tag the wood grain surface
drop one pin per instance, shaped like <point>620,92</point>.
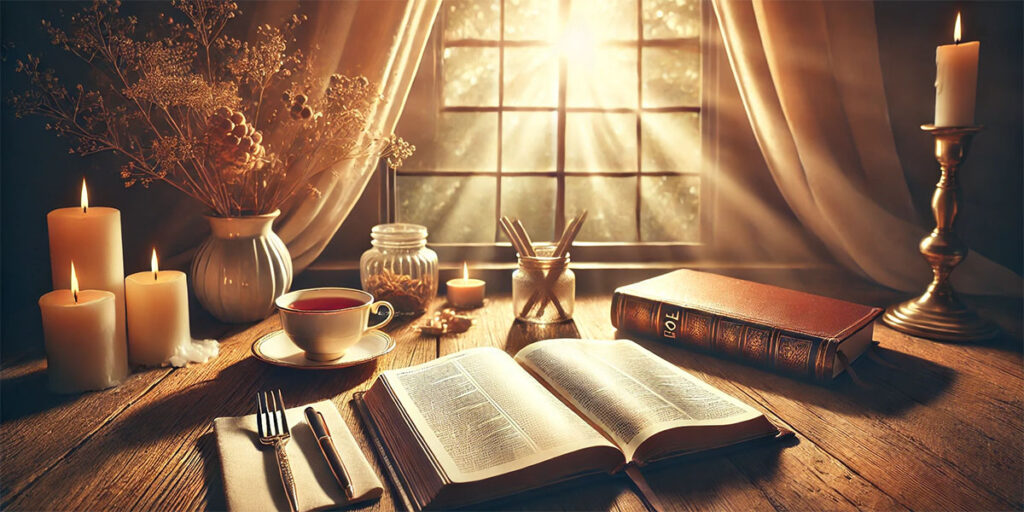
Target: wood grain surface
<point>939,426</point>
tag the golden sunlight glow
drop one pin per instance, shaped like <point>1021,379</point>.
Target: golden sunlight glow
<point>578,42</point>
<point>465,270</point>
<point>74,282</point>
<point>85,197</point>
<point>956,29</point>
<point>153,265</point>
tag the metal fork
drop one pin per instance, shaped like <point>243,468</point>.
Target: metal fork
<point>272,426</point>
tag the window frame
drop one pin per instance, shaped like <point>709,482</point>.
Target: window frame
<point>605,252</point>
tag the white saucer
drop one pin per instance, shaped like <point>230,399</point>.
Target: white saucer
<point>277,349</point>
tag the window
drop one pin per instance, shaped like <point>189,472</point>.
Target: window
<point>541,108</point>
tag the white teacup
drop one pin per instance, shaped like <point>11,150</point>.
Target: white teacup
<point>326,322</point>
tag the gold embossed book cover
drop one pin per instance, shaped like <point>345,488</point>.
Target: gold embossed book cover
<point>793,332</point>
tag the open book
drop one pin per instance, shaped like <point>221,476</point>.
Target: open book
<point>479,425</point>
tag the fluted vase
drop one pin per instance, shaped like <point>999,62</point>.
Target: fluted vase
<point>241,268</point>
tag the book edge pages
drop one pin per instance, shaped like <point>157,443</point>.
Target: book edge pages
<point>397,481</point>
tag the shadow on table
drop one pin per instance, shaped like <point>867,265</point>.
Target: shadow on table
<point>892,382</point>
<point>231,393</point>
<point>522,334</point>
<point>28,394</point>
<point>703,481</point>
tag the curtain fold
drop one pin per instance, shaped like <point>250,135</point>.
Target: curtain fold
<point>382,40</point>
<point>811,83</point>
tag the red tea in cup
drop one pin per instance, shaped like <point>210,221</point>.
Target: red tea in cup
<point>325,303</point>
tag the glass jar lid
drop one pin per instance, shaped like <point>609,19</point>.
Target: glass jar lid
<point>399,234</point>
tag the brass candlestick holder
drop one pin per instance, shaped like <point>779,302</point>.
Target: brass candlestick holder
<point>938,314</point>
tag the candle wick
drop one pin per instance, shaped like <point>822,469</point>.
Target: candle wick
<point>85,209</point>
<point>75,294</point>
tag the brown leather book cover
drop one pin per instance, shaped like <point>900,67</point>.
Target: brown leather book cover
<point>793,332</point>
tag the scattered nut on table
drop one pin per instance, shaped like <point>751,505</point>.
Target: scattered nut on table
<point>446,321</point>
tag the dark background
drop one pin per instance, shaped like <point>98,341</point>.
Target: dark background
<point>37,174</point>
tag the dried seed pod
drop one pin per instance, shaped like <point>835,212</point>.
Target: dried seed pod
<point>300,99</point>
<point>306,113</point>
<point>233,148</point>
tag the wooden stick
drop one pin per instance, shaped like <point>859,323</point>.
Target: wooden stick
<point>524,249</point>
<point>506,226</point>
<point>525,237</point>
<point>559,250</point>
<point>564,242</point>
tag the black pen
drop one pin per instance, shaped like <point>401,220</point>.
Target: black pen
<point>326,443</point>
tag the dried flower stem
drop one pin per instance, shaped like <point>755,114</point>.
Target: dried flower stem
<point>175,106</point>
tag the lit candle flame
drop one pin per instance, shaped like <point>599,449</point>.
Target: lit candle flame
<point>956,29</point>
<point>153,265</point>
<point>74,283</point>
<point>465,270</point>
<point>85,197</point>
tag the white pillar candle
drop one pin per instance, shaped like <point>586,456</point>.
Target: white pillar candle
<point>956,81</point>
<point>465,292</point>
<point>79,329</point>
<point>157,303</point>
<point>91,236</point>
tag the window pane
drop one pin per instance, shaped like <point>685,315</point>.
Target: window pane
<point>532,200</point>
<point>670,209</point>
<point>671,18</point>
<point>531,19</point>
<point>671,76</point>
<point>671,142</point>
<point>458,142</point>
<point>604,19</point>
<point>452,209</point>
<point>528,141</point>
<point>611,206</point>
<point>602,77</point>
<point>471,19</point>
<point>531,77</point>
<point>470,76</point>
<point>600,142</point>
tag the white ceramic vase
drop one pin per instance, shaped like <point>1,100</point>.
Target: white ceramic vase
<point>241,268</point>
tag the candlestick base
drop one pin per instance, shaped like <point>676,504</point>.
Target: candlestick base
<point>938,314</point>
<point>938,317</point>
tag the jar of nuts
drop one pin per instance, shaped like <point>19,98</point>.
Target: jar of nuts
<point>400,268</point>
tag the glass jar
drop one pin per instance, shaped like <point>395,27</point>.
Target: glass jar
<point>400,268</point>
<point>543,288</point>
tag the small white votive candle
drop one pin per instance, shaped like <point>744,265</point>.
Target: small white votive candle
<point>157,304</point>
<point>83,352</point>
<point>465,292</point>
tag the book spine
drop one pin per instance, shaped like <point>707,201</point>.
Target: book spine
<point>785,351</point>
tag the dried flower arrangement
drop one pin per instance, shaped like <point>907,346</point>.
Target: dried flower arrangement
<point>240,126</point>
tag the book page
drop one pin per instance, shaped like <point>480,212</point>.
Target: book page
<point>481,414</point>
<point>627,390</point>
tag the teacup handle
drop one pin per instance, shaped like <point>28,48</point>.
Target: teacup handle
<point>375,307</point>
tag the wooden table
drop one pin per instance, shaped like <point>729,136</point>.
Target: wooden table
<point>939,429</point>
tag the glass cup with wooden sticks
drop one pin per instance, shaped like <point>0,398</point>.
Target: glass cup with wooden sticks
<point>543,286</point>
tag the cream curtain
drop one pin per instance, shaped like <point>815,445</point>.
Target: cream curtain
<point>382,40</point>
<point>811,83</point>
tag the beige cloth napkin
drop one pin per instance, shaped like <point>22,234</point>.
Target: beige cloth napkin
<point>251,480</point>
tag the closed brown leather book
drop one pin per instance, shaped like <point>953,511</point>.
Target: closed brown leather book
<point>793,332</point>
